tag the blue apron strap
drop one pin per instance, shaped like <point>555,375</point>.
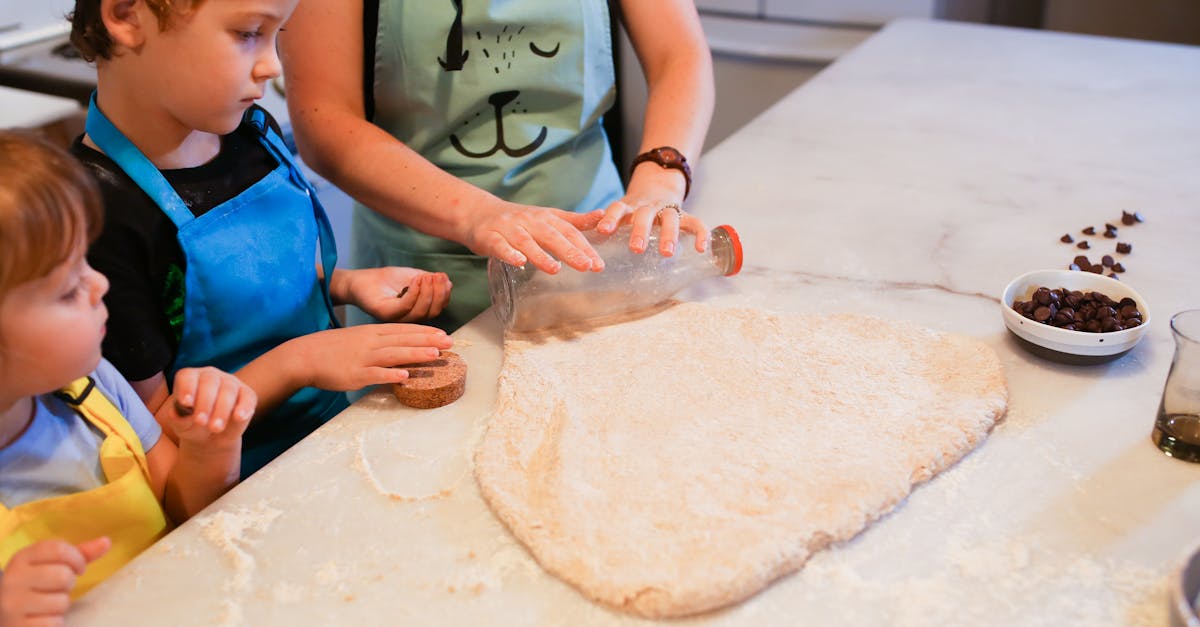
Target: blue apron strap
<point>274,143</point>
<point>135,164</point>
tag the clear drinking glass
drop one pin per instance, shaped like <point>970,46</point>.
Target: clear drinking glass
<point>1177,427</point>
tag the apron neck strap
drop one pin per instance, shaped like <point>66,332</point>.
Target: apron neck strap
<point>135,164</point>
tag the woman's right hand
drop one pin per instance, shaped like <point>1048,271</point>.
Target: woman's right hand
<point>352,358</point>
<point>519,234</point>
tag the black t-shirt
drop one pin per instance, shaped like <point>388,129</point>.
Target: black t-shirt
<point>139,253</point>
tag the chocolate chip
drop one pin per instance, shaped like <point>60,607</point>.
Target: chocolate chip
<point>1091,230</point>
<point>1096,269</point>
<point>1082,260</point>
<point>1110,234</point>
<point>1117,267</point>
<point>1110,227</point>
<point>1124,248</point>
<point>1041,314</point>
<point>1128,218</point>
<point>1066,238</point>
<point>1084,245</point>
<point>1107,261</point>
<point>1113,276</point>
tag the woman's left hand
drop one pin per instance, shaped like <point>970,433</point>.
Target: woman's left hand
<point>654,196</point>
<point>395,294</point>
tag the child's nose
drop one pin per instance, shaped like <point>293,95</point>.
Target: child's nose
<point>268,65</point>
<point>99,286</point>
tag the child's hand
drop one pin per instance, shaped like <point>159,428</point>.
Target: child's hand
<point>397,294</point>
<point>208,405</point>
<point>36,586</point>
<point>355,357</point>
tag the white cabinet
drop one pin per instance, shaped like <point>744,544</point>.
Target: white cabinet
<point>872,12</point>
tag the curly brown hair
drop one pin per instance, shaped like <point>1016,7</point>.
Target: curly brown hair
<point>91,38</point>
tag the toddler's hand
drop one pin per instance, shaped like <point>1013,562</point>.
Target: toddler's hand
<point>208,405</point>
<point>399,294</point>
<point>36,586</point>
<point>355,357</point>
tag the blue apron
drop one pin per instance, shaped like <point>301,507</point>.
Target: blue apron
<point>250,279</point>
<point>508,95</point>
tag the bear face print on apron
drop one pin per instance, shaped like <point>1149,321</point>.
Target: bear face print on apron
<point>506,95</point>
<point>250,278</point>
<point>125,508</point>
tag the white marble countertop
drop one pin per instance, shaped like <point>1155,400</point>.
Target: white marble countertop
<point>912,179</point>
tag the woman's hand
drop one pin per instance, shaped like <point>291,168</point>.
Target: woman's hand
<point>519,234</point>
<point>394,294</point>
<point>654,195</point>
<point>37,582</point>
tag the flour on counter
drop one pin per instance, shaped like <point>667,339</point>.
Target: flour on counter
<point>409,462</point>
<point>228,531</point>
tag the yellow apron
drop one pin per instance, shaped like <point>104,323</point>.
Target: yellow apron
<point>125,509</point>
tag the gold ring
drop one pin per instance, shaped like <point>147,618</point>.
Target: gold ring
<point>672,205</point>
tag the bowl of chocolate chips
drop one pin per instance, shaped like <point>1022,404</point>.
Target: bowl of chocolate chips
<point>1074,317</point>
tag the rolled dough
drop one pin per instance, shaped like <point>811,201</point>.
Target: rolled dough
<point>682,462</point>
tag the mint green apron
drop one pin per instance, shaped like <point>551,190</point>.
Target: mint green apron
<point>506,95</point>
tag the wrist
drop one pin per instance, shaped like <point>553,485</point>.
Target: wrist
<point>285,367</point>
<point>667,158</point>
<point>339,286</point>
<point>649,179</point>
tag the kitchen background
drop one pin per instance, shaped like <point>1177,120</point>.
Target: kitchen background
<point>762,49</point>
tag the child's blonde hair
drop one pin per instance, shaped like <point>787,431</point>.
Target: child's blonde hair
<point>48,203</point>
<point>90,36</point>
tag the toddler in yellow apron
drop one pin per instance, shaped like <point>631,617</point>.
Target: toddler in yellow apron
<point>83,467</point>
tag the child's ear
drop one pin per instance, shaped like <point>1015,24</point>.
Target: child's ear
<point>125,21</point>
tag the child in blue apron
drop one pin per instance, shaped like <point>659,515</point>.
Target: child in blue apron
<point>86,480</point>
<point>217,248</point>
<point>469,129</point>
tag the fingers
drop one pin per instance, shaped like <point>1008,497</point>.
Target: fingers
<point>669,216</point>
<point>184,390</point>
<point>207,389</point>
<point>442,290</point>
<point>696,226</point>
<point>56,552</point>
<point>613,214</point>
<point>47,607</point>
<point>642,220</point>
<point>546,238</point>
<point>94,549</point>
<point>218,399</point>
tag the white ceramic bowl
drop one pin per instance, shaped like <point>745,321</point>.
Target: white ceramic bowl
<point>1075,347</point>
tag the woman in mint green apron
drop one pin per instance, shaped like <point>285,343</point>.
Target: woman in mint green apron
<point>505,96</point>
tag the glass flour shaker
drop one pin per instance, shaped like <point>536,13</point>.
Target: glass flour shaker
<point>527,299</point>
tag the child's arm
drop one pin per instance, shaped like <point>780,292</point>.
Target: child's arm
<point>208,413</point>
<point>392,294</point>
<point>35,588</point>
<point>341,359</point>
